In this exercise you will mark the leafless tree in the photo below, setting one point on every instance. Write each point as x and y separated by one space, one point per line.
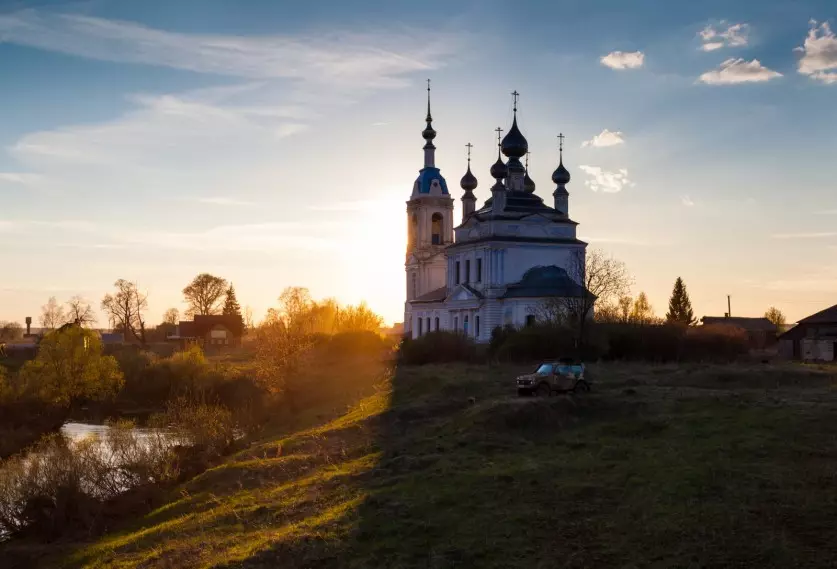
205 294
776 317
604 280
171 317
80 312
52 315
126 308
249 324
10 331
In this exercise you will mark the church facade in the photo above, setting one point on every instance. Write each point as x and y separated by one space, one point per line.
502 261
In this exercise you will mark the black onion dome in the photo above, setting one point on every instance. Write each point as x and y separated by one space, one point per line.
528 184
514 143
499 170
561 175
428 133
468 181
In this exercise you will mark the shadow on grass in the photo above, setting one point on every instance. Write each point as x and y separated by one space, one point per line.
442 466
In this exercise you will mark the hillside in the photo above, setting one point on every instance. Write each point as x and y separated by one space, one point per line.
659 466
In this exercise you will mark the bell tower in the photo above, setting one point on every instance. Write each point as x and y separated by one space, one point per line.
429 225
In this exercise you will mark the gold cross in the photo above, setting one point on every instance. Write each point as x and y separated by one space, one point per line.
469 146
515 95
561 141
499 131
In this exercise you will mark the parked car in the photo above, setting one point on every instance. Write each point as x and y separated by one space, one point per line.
554 377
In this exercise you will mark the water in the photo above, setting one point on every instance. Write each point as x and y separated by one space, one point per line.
79 431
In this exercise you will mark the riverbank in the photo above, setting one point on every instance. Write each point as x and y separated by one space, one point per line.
445 465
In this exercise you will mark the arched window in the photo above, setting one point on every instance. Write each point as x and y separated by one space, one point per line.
412 235
477 326
436 229
419 325
456 323
428 324
437 323
466 325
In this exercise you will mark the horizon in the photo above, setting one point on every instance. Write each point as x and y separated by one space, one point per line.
276 150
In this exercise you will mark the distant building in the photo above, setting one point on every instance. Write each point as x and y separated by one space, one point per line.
813 338
213 332
760 331
499 265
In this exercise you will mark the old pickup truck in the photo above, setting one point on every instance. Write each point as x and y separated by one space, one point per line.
554 377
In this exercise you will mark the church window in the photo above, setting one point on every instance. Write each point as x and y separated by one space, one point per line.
428 324
467 271
419 326
465 325
455 323
479 270
437 323
530 320
436 229
457 272
477 326
413 233
415 285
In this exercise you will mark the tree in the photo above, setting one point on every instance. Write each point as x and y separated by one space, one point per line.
70 367
125 309
358 319
679 306
604 279
642 312
171 317
52 315
231 306
248 319
776 317
80 312
10 331
625 304
205 294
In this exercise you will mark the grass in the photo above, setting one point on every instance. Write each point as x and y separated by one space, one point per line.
443 466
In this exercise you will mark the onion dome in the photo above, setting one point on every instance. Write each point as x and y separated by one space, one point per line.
514 143
499 170
468 181
561 176
428 133
528 184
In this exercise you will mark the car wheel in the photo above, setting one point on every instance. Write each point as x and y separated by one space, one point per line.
582 386
544 390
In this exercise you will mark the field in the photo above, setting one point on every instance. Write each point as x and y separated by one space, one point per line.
443 466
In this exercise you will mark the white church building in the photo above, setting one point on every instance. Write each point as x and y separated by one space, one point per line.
502 261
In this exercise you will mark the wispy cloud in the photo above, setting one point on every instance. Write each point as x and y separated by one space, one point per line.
363 60
811 235
734 71
826 212
606 181
20 178
604 139
623 59
819 54
686 201
717 37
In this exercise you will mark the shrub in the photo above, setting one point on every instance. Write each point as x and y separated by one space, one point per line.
209 429
533 343
660 343
437 347
715 342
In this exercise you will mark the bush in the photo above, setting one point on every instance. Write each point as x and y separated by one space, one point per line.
717 342
437 347
658 343
531 343
209 429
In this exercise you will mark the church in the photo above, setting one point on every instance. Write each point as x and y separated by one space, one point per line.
499 264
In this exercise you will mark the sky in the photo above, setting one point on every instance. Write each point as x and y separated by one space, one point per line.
275 143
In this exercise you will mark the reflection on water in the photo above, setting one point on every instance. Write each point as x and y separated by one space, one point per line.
79 431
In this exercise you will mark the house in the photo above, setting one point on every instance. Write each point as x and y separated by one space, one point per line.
761 331
213 332
813 338
504 260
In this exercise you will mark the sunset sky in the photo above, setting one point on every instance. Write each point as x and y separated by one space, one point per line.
274 143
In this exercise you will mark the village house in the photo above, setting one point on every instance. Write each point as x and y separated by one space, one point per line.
212 332
761 332
813 338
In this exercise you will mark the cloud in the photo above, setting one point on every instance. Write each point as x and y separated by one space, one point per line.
623 60
819 54
372 60
20 178
716 37
687 201
606 181
604 139
36 226
827 212
812 235
734 71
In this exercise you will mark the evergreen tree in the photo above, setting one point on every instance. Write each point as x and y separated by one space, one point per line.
231 305
679 306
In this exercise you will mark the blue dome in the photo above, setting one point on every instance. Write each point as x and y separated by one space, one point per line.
426 177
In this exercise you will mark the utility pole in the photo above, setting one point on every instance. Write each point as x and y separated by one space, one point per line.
729 307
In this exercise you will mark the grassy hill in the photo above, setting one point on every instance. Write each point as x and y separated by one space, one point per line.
703 466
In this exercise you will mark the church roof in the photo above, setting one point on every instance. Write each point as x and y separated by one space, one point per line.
437 295
550 281
426 177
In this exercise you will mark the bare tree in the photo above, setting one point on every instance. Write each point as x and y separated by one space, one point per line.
10 331
603 279
205 294
171 317
249 324
776 317
52 315
80 312
125 309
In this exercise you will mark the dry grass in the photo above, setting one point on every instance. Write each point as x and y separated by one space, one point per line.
442 466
